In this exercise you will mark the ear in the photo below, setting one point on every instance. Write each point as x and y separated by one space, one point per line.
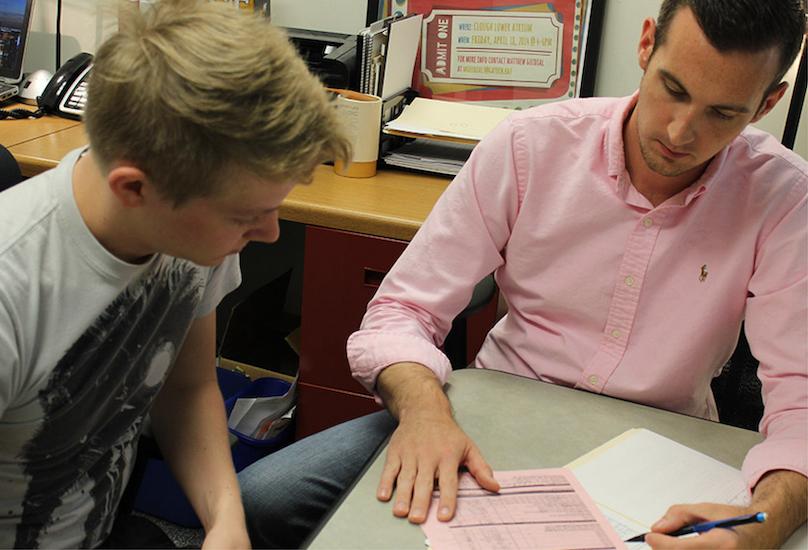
646 46
127 184
770 101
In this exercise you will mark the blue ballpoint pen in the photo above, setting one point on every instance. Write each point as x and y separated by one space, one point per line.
759 517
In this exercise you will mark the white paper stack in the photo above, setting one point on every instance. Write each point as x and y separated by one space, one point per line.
430 118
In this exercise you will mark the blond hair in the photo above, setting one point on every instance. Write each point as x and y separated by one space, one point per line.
192 92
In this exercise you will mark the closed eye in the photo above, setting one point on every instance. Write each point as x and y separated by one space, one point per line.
674 92
723 115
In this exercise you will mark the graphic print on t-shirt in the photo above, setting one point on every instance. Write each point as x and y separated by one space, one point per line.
94 404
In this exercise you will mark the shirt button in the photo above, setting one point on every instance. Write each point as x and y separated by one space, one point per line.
616 333
594 380
647 222
629 281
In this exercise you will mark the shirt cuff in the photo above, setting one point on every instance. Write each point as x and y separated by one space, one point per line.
371 351
779 454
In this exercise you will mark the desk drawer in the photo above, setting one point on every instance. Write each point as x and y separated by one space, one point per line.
341 274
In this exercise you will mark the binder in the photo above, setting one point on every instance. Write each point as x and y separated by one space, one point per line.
369 48
382 71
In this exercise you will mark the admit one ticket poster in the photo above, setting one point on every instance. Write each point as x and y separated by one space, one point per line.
499 52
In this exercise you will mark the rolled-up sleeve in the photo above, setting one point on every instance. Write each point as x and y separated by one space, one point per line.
777 329
460 242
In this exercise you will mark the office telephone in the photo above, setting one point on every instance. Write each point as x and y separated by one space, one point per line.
66 93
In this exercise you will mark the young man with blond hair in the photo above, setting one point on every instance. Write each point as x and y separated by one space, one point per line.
630 238
200 121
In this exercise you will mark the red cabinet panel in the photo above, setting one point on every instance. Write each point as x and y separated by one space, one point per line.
341 273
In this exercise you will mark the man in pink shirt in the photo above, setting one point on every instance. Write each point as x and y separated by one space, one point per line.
630 238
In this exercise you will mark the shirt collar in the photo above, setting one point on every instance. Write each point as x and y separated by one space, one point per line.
614 142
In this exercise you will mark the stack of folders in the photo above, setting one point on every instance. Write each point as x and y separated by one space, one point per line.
445 132
386 53
425 155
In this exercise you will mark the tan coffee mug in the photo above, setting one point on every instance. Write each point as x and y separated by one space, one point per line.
361 115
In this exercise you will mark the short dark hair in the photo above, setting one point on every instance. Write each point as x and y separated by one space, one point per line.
744 25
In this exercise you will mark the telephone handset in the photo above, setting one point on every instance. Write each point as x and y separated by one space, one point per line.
66 93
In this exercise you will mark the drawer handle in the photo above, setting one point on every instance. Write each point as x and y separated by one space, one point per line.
373 277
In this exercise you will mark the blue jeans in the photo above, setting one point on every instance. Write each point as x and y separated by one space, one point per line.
288 493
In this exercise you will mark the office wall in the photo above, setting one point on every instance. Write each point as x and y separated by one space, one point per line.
801 144
618 73
343 16
85 24
775 121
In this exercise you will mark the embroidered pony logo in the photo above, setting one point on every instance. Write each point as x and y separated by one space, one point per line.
704 273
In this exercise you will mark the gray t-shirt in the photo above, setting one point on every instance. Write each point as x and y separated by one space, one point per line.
86 341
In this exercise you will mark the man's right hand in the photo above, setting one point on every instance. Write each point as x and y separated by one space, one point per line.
427 445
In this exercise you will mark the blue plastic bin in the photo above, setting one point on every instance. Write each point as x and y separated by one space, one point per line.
160 495
248 449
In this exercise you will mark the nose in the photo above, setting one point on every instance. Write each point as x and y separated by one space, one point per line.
681 129
267 232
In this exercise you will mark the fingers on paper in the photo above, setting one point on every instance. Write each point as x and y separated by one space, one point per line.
422 493
481 470
447 482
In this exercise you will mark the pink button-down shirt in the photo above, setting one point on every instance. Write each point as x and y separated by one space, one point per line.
606 292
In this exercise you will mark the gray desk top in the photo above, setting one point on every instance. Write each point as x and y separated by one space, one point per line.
520 423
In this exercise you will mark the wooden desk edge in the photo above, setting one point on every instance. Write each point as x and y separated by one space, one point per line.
349 220
31 165
294 210
299 211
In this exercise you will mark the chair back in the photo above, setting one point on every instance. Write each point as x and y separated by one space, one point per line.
9 170
737 389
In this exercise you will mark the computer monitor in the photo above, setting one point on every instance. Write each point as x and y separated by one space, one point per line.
350 17
14 18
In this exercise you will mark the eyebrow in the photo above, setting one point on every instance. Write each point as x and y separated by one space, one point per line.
723 107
